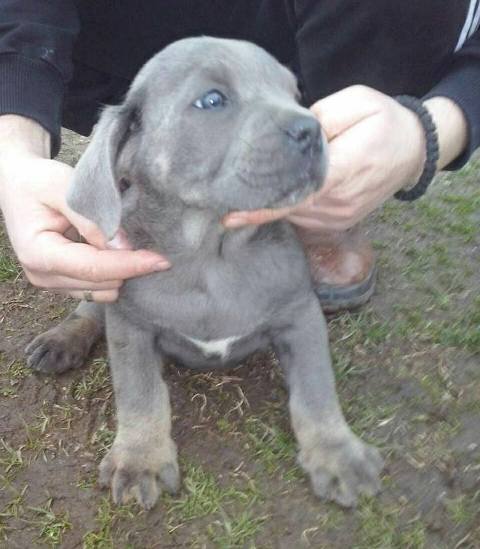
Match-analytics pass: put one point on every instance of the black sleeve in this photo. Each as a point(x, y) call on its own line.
point(461, 83)
point(36, 41)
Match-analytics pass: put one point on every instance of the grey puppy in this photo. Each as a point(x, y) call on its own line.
point(208, 126)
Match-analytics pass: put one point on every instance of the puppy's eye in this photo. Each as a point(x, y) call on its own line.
point(213, 99)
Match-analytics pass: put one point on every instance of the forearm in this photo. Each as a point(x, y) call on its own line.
point(452, 128)
point(20, 139)
point(19, 134)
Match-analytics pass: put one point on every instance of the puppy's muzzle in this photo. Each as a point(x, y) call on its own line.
point(304, 133)
point(304, 159)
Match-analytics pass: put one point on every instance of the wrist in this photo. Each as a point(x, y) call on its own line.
point(22, 136)
point(429, 148)
point(452, 128)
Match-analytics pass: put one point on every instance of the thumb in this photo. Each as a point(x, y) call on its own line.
point(54, 196)
point(342, 110)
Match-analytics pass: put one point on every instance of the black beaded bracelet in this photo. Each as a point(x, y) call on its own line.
point(431, 137)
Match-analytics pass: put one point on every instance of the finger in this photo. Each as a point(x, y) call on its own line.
point(323, 223)
point(50, 282)
point(322, 213)
point(119, 241)
point(62, 175)
point(342, 110)
point(255, 217)
point(84, 262)
point(107, 296)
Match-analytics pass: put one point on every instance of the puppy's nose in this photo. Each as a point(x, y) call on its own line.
point(304, 132)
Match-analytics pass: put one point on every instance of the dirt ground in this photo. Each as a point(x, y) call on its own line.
point(408, 371)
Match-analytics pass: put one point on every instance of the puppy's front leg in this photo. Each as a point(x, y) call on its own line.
point(143, 458)
point(339, 464)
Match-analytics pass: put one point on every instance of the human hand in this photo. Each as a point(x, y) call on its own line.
point(32, 198)
point(376, 147)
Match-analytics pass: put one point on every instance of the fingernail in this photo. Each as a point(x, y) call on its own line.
point(234, 222)
point(162, 265)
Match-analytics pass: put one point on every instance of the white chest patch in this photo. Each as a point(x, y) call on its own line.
point(194, 226)
point(215, 346)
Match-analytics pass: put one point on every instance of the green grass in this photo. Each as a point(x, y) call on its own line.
point(464, 509)
point(17, 371)
point(272, 446)
point(12, 374)
point(379, 528)
point(461, 330)
point(102, 440)
point(11, 461)
point(51, 526)
point(108, 519)
point(13, 509)
point(230, 509)
point(237, 531)
point(9, 267)
point(204, 496)
point(94, 380)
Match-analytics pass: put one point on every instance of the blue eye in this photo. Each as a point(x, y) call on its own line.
point(211, 100)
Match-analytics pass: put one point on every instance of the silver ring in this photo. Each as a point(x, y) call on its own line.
point(87, 295)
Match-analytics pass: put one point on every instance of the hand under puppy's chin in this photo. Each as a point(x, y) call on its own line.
point(237, 219)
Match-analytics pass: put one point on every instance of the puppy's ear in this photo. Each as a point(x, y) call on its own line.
point(94, 192)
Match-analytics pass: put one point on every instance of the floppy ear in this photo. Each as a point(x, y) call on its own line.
point(94, 192)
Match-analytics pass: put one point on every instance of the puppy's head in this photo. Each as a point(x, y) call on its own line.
point(215, 123)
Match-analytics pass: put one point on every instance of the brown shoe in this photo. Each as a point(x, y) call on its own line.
point(342, 266)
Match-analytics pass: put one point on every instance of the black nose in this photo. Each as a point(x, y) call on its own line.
point(304, 132)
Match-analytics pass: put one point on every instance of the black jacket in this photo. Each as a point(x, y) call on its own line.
point(61, 59)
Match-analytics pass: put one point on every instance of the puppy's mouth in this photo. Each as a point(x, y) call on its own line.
point(292, 188)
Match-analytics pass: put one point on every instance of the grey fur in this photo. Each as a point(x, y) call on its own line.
point(188, 167)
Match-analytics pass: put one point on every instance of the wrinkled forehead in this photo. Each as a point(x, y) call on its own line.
point(197, 65)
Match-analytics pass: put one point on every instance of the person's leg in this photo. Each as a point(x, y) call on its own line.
point(342, 266)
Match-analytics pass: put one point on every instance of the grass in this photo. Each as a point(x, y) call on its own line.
point(102, 440)
point(16, 371)
point(9, 267)
point(461, 330)
point(366, 329)
point(107, 519)
point(205, 496)
point(13, 509)
point(379, 528)
point(233, 532)
point(273, 447)
point(94, 380)
point(464, 509)
point(51, 526)
point(230, 509)
point(11, 461)
point(12, 375)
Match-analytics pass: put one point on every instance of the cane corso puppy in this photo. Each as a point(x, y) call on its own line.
point(208, 126)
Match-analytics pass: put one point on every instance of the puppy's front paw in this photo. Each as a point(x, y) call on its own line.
point(140, 472)
point(63, 347)
point(344, 470)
